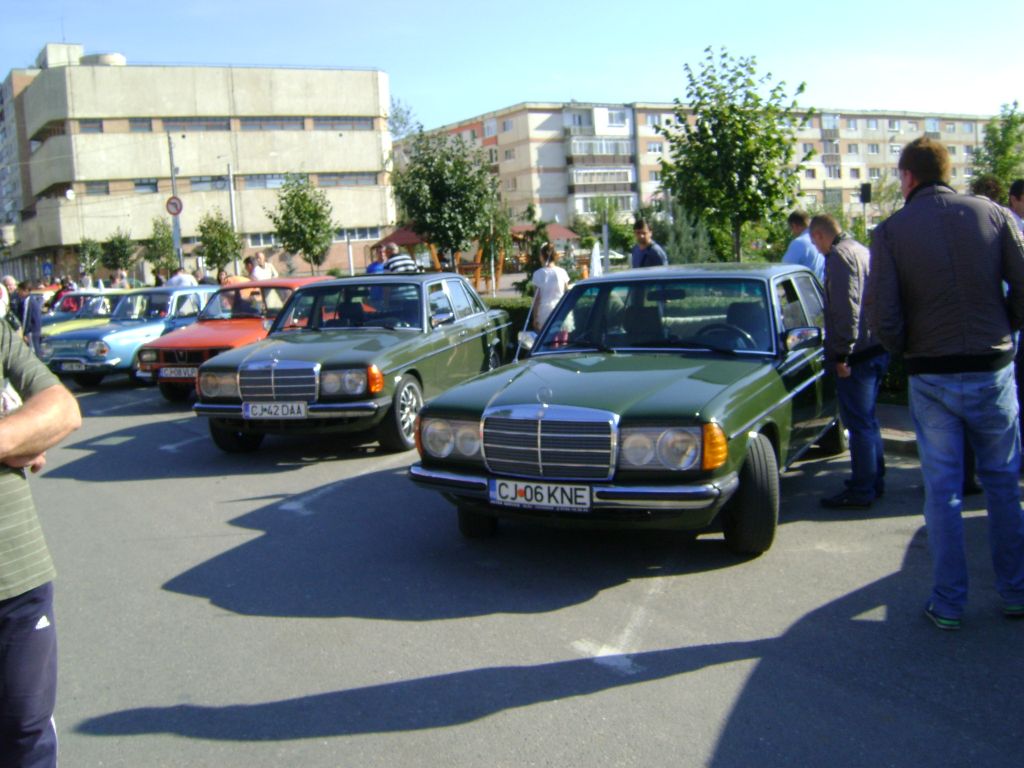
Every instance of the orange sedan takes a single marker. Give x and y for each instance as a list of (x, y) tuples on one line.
[(238, 314)]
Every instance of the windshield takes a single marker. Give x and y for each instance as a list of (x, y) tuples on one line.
[(142, 306), (98, 306), (69, 303), (354, 305), (703, 313), (236, 302)]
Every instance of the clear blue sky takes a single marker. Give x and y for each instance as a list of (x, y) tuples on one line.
[(453, 59)]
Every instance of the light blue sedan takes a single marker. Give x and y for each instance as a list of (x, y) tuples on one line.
[(90, 354)]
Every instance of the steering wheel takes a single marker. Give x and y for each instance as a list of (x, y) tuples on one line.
[(729, 328)]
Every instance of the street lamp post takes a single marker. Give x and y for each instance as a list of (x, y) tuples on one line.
[(175, 220)]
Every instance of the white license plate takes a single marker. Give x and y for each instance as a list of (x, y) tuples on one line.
[(533, 495), (70, 366), (282, 410), (178, 373)]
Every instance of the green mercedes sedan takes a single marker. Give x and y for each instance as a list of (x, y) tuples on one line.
[(655, 398), (355, 355)]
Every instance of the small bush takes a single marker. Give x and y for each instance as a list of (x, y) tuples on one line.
[(517, 307)]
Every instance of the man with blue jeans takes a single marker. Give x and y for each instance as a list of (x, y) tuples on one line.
[(858, 361), (938, 270)]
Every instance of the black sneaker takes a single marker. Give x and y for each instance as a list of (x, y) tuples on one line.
[(1013, 610), (879, 489), (944, 623), (845, 500)]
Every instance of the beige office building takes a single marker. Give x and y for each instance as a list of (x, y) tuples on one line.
[(86, 146), (560, 157)]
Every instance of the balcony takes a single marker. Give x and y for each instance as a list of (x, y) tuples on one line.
[(601, 189), (830, 134), (579, 130)]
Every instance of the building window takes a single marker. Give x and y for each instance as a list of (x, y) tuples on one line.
[(855, 173), (872, 124), (194, 124), (968, 173), (260, 239), (506, 125), (895, 149), (208, 183), (953, 172), (652, 120), (145, 186), (510, 154), (492, 155), (874, 173), (950, 127), (655, 147), (347, 180), (830, 147), (357, 233), (616, 118), (894, 172), (264, 181), (810, 173), (97, 188), (830, 122), (270, 123), (894, 125), (931, 124), (851, 123), (873, 149), (90, 126), (853, 149), (140, 125), (490, 127), (833, 172), (342, 123), (912, 126), (968, 127), (808, 148), (654, 176), (952, 150), (510, 185), (603, 176), (969, 150)]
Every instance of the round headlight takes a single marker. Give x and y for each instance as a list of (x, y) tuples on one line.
[(209, 384), (330, 383), (437, 438), (467, 440), (353, 382), (678, 448), (638, 448), (147, 355), (97, 348), (45, 350)]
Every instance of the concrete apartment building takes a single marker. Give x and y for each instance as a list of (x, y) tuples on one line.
[(561, 156), (84, 151)]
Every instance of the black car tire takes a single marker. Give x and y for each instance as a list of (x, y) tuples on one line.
[(834, 441), (87, 379), (175, 393), (493, 358), (474, 525), (398, 430), (752, 514), (232, 440)]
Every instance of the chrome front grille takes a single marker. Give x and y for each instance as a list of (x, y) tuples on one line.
[(188, 356), (556, 442), (67, 347), (279, 380)]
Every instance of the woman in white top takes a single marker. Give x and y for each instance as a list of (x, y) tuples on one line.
[(550, 282)]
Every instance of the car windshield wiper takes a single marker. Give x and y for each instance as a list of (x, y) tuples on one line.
[(573, 344), (701, 345)]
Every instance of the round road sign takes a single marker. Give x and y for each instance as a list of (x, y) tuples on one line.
[(174, 205)]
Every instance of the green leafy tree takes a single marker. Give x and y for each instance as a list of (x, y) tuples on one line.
[(218, 240), (887, 195), (119, 251), (302, 220), (90, 256), (1001, 153), (445, 190), (402, 121), (158, 250), (733, 164), (682, 234)]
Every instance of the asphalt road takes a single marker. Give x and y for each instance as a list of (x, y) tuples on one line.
[(307, 605)]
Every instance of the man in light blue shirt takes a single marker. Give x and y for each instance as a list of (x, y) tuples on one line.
[(802, 250)]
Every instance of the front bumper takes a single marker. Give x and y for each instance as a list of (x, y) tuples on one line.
[(367, 409), (83, 365), (685, 505)]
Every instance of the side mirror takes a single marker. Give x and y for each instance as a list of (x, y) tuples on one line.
[(441, 318), (527, 339), (803, 338)]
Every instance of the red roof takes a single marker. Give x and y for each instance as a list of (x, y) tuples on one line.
[(401, 237), (555, 231)]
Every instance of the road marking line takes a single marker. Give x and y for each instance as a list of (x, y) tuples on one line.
[(617, 656), (173, 447), (614, 659), (298, 503)]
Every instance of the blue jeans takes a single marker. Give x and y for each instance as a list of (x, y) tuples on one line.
[(982, 407), (857, 395)]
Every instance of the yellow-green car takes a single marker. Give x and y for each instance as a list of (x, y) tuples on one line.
[(82, 309)]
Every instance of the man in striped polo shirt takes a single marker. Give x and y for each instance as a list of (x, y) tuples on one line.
[(38, 412)]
